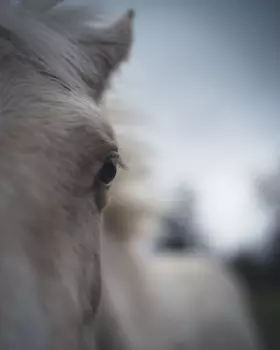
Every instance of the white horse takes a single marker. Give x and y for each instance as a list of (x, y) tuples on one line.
[(57, 157)]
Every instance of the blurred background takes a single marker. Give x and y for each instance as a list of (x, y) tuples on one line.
[(205, 74), (204, 83)]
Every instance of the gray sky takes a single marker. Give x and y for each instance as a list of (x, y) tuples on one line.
[(207, 74)]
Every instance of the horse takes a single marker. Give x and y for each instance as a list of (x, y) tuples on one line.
[(160, 301), (59, 156), (64, 284)]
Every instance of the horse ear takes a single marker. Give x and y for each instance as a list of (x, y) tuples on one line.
[(107, 49)]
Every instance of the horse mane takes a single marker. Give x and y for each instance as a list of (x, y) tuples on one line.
[(126, 207)]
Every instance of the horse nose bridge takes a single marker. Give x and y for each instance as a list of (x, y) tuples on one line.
[(22, 322)]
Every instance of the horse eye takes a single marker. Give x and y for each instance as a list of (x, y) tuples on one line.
[(108, 172)]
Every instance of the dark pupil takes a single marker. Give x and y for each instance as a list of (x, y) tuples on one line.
[(107, 173)]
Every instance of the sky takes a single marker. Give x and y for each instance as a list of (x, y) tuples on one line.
[(207, 75)]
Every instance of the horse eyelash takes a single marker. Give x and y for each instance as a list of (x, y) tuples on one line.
[(116, 157), (121, 163)]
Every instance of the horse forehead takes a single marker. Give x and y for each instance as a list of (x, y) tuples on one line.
[(62, 109), (88, 114)]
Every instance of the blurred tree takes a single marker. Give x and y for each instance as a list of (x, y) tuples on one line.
[(250, 269), (263, 275), (178, 225), (269, 190)]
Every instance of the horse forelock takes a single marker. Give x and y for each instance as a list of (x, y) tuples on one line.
[(44, 45)]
